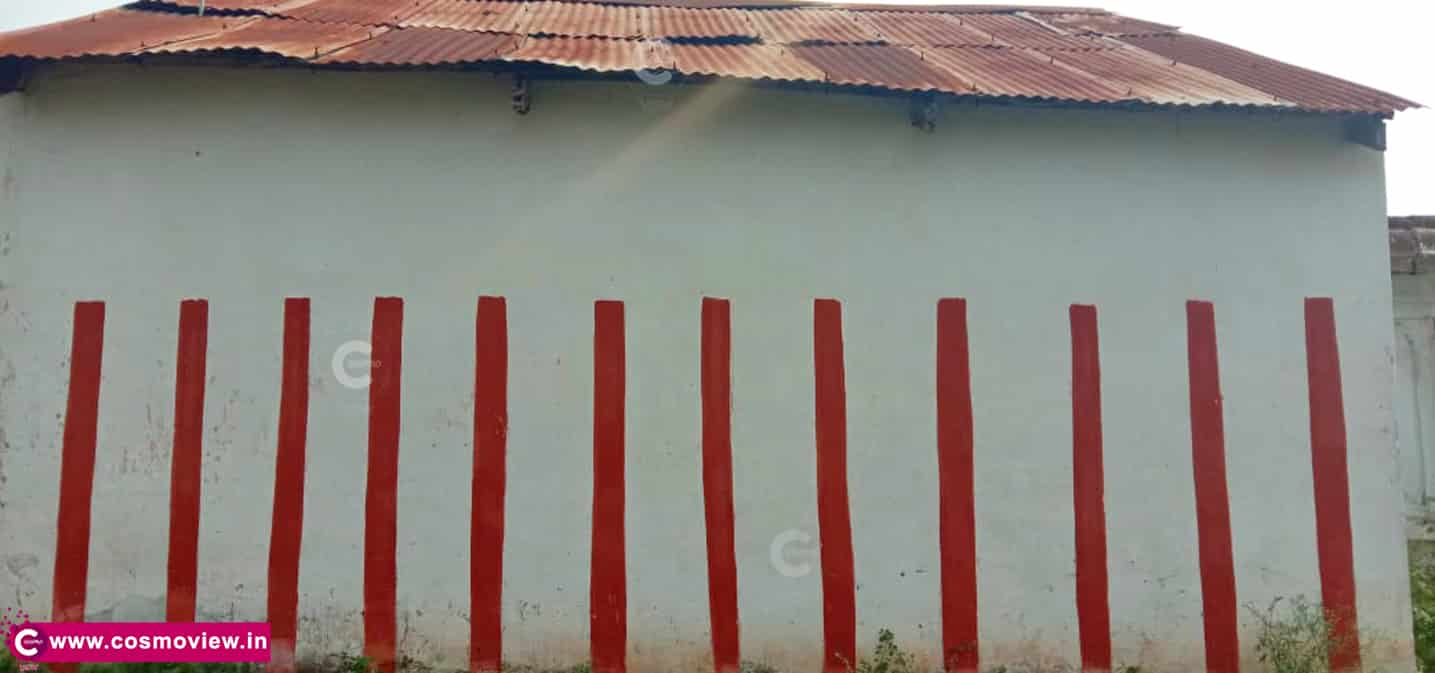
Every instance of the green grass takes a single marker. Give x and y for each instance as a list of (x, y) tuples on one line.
[(8, 664), (584, 667), (337, 664), (1422, 605), (1293, 636)]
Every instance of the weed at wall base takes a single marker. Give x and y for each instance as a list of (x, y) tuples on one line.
[(1422, 607)]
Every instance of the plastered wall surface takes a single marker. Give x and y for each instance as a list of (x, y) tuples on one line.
[(143, 187)]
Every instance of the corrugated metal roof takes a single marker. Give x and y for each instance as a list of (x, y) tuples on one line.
[(747, 61), (1016, 31), (110, 33), (677, 22), (1065, 54), (480, 15), (1305, 88), (926, 29), (597, 55), (792, 26), (1149, 77), (294, 39), (218, 7), (368, 12), (1001, 71), (426, 46), (1106, 24), (580, 20), (886, 66)]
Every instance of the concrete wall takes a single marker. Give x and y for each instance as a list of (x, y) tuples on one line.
[(140, 187), (1414, 398)]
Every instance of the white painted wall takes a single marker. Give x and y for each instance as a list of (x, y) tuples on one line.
[(144, 186)]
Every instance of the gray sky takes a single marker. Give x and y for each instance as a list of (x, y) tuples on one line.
[(1380, 43)]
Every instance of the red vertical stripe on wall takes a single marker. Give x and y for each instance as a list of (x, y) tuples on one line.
[(834, 522), (77, 463), (1093, 612), (490, 447), (381, 496), (717, 482), (1213, 508), (608, 586), (1332, 487), (286, 530), (957, 500), (187, 461)]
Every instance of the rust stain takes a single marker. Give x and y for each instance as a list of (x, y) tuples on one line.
[(1016, 31), (1021, 73), (789, 26), (111, 33), (474, 15), (580, 20), (678, 22), (593, 54), (887, 66), (369, 12), (924, 29), (747, 61), (426, 46), (1305, 88), (295, 39), (1106, 24)]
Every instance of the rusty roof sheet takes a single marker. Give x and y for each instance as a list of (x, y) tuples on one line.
[(426, 46), (923, 29), (1002, 71), (1063, 54), (1305, 88), (218, 7), (793, 26), (368, 12), (580, 20), (681, 23), (1017, 31), (1150, 78), (293, 39), (110, 33), (887, 66), (478, 15), (746, 61), (598, 55), (1106, 24)]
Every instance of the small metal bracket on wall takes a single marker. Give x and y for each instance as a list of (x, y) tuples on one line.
[(923, 112), (1367, 130), (521, 103)]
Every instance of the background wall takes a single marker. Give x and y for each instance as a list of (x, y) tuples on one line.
[(141, 187)]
